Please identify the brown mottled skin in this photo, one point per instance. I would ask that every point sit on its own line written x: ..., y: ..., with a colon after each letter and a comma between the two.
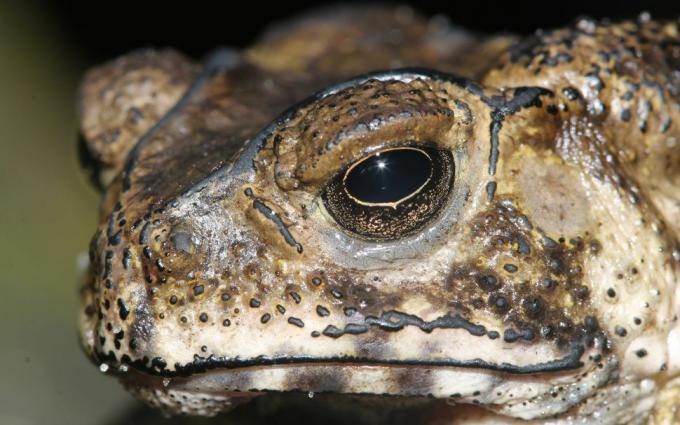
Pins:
x: 539, y: 287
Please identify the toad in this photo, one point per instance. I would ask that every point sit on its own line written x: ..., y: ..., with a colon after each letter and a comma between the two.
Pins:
x: 369, y: 204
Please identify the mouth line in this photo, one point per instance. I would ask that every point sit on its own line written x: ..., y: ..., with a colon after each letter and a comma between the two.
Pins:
x: 571, y: 361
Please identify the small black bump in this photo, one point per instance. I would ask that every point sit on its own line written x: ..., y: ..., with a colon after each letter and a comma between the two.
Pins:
x: 581, y: 292
x: 255, y: 303
x: 625, y: 115
x: 203, y: 317
x: 123, y: 310
x: 296, y: 322
x: 547, y: 331
x: 322, y: 311
x: 533, y: 307
x: 296, y: 297
x: 198, y: 289
x: 265, y: 318
x: 487, y: 282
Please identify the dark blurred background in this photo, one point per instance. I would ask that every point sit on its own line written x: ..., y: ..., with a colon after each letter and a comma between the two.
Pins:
x: 47, y: 207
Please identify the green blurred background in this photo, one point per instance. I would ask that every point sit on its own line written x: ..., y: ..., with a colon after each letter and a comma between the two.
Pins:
x: 47, y: 214
x: 48, y: 208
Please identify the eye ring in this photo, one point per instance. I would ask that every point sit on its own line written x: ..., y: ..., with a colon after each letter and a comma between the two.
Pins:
x: 375, y: 155
x: 391, y: 193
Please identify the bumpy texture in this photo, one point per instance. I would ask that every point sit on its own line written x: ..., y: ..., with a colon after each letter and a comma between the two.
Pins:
x: 543, y: 291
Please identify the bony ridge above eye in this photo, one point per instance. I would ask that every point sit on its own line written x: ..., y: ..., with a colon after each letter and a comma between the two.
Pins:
x: 390, y: 193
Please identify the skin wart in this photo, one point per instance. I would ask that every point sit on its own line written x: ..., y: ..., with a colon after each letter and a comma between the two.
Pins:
x: 533, y: 279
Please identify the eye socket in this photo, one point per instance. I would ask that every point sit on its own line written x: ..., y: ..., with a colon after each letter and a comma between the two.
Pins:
x: 390, y: 193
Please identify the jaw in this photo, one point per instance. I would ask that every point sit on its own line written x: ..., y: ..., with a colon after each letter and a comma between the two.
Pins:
x: 525, y: 396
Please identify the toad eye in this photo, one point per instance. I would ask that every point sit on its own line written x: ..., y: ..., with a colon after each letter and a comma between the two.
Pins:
x: 390, y: 193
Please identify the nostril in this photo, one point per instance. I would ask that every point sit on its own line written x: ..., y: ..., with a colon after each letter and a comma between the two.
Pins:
x: 184, y: 241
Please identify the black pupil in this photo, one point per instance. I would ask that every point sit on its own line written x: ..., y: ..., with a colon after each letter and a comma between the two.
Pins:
x: 388, y: 176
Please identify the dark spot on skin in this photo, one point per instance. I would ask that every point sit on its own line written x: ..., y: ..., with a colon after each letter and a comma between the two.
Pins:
x: 173, y: 299
x: 198, y: 289
x: 637, y: 321
x: 144, y: 234
x: 555, y: 264
x: 548, y: 283
x: 316, y: 281
x: 591, y: 324
x: 203, y: 317
x: 533, y: 307
x: 611, y: 293
x: 322, y: 311
x: 296, y: 322
x: 487, y: 282
x: 625, y: 115
x: 281, y: 309
x: 315, y: 334
x: 276, y: 219
x: 107, y: 264
x: 523, y: 247
x: 512, y: 335
x: 123, y: 310
x: 225, y: 297
x: 336, y: 293
x: 547, y: 331
x: 510, y: 268
x: 621, y: 331
x: 549, y: 243
x: 351, y: 329
x: 499, y: 301
x: 641, y: 353
x: 296, y: 297
x: 571, y: 93
x: 581, y: 292
x: 349, y: 311
x: 265, y: 318
x: 127, y: 257
x: 159, y: 363
x: 115, y: 238
x: 490, y: 191
x: 255, y: 303
x: 226, y: 322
